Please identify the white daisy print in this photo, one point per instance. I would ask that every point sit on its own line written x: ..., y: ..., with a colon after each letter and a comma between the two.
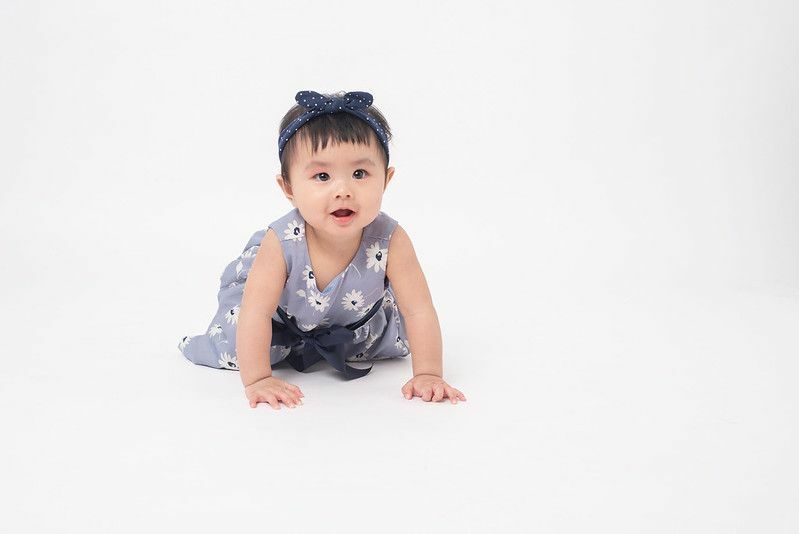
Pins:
x: 325, y: 322
x: 215, y: 330
x: 376, y: 257
x: 284, y: 351
x: 308, y: 276
x: 399, y: 344
x: 228, y: 362
x: 239, y: 267
x: 360, y: 333
x: 319, y: 301
x: 295, y: 231
x: 184, y: 342
x: 352, y: 300
x: 250, y: 251
x: 370, y: 340
x: 308, y: 327
x: 232, y: 315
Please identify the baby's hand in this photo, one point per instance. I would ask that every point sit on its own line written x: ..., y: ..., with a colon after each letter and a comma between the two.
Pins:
x: 273, y: 391
x: 431, y: 387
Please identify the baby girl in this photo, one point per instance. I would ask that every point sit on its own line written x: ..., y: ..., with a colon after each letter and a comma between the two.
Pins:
x: 319, y: 283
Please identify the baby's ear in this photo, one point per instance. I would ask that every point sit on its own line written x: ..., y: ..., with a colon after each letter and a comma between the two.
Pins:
x: 285, y: 186
x: 389, y: 175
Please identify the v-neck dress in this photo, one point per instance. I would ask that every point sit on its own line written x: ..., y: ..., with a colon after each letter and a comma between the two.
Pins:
x: 347, y: 298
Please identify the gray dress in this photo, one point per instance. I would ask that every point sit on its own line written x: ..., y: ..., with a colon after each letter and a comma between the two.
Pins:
x: 349, y: 297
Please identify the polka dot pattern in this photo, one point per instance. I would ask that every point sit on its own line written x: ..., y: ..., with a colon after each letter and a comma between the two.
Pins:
x: 316, y: 104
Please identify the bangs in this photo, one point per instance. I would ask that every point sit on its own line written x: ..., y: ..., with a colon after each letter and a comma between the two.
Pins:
x: 337, y: 128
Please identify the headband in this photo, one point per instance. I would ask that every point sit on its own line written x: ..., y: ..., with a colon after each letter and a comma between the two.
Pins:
x: 316, y: 104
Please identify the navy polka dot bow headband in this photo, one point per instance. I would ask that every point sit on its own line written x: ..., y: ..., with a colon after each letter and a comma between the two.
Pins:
x: 316, y: 104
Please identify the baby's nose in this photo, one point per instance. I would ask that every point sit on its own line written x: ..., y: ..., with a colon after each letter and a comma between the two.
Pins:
x: 343, y: 192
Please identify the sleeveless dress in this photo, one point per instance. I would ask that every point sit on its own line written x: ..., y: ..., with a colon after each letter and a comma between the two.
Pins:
x: 360, y: 297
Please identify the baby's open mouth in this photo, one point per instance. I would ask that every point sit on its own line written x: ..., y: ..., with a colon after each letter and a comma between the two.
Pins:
x: 342, y: 213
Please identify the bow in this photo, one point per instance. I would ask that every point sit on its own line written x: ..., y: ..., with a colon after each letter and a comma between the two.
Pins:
x: 318, y: 103
x: 321, y: 342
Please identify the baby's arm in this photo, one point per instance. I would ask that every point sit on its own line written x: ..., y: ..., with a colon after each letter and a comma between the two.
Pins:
x: 415, y: 304
x: 421, y: 321
x: 261, y: 297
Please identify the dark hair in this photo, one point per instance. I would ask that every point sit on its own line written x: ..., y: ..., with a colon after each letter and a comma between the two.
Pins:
x: 337, y: 127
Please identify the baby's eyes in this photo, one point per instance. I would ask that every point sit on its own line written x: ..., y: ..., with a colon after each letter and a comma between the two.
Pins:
x: 354, y: 174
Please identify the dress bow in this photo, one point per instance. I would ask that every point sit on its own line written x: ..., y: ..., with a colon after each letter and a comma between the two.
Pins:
x: 329, y: 342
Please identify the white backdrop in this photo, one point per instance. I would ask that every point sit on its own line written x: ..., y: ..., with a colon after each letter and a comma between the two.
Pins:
x: 603, y: 196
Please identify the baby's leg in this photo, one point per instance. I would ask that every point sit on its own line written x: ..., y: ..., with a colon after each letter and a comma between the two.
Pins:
x: 217, y: 346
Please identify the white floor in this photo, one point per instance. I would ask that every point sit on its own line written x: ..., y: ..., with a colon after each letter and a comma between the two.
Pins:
x: 626, y: 410
x: 553, y: 148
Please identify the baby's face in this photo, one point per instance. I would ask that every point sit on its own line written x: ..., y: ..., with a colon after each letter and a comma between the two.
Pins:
x: 338, y: 176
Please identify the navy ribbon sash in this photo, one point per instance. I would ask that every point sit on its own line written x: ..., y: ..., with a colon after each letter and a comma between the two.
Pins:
x: 329, y: 343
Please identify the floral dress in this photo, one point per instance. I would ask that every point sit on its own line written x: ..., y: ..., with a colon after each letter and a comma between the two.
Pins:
x: 349, y: 297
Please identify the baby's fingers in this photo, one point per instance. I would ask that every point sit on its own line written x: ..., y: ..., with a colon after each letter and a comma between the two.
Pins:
x: 438, y: 392
x: 268, y: 399
x: 295, y: 397
x: 256, y: 398
x: 273, y: 402
x: 452, y: 394
x: 407, y: 390
x: 287, y: 398
x: 427, y: 393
